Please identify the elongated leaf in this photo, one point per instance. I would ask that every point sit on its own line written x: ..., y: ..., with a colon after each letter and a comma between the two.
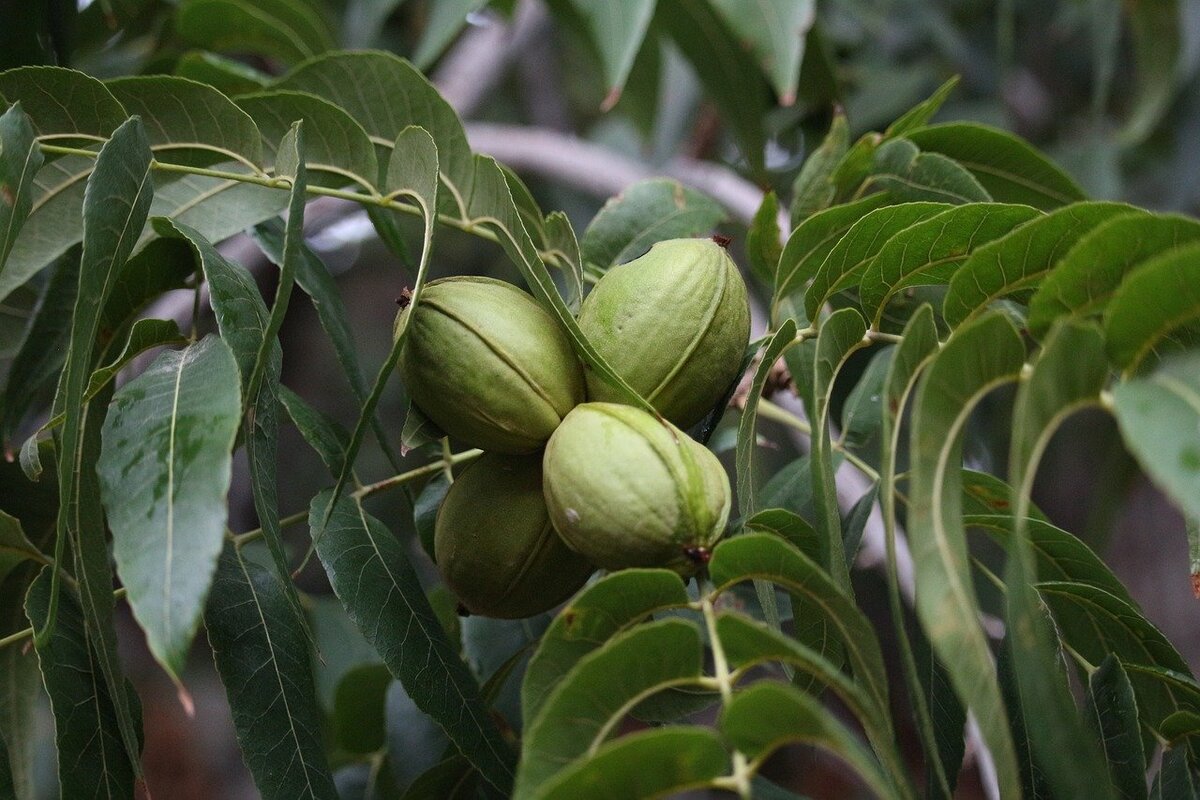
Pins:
x: 562, y: 245
x: 765, y: 557
x: 323, y: 434
x: 1008, y: 168
x: 1114, y: 716
x: 289, y: 30
x: 769, y: 715
x: 918, y: 344
x: 919, y: 115
x: 931, y: 251
x: 811, y: 242
x: 646, y: 212
x: 92, y: 113
x: 595, y: 615
x: 1020, y: 259
x: 901, y: 169
x: 91, y: 756
x: 336, y: 149
x: 775, y: 31
x: 446, y: 19
x: 1068, y: 375
x: 979, y: 357
x: 1090, y: 272
x: 20, y: 160
x: 763, y: 246
x: 261, y: 651
x: 814, y: 366
x: 582, y: 711
x: 645, y: 764
x: 1159, y: 417
x: 164, y: 472
x: 115, y: 207
x: 1150, y: 306
x: 378, y: 587
x: 813, y: 190
x: 850, y: 257
x: 1176, y: 780
x: 188, y: 122
x: 20, y: 685
x: 746, y: 443
x: 15, y: 546
x: 617, y: 30
x: 226, y: 75
x: 729, y: 74
x: 217, y: 208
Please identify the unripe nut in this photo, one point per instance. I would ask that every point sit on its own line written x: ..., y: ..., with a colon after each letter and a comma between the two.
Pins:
x: 626, y: 489
x: 494, y: 544
x: 488, y: 365
x: 674, y: 324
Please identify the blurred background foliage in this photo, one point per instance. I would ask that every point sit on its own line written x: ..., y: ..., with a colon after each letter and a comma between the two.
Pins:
x: 583, y: 97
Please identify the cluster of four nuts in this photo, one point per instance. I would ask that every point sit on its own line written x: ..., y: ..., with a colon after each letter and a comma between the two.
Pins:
x: 567, y: 485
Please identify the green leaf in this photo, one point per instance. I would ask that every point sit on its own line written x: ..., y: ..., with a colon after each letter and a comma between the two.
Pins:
x: 217, y: 208
x: 188, y: 122
x: 15, y: 546
x: 378, y: 587
x: 115, y: 207
x: 919, y: 115
x: 900, y: 168
x: 815, y: 366
x: 617, y: 30
x: 1114, y: 716
x: 386, y: 94
x: 930, y: 252
x: 328, y: 438
x: 1090, y: 272
x: 1007, y: 167
x: 91, y: 115
x: 288, y: 30
x: 765, y: 557
x: 1018, y: 260
x: 812, y: 241
x: 165, y: 470
x: 746, y: 442
x: 261, y: 651
x: 645, y: 213
x: 918, y: 344
x: 91, y: 755
x: 730, y: 77
x: 775, y: 30
x: 649, y: 763
x: 562, y: 245
x: 592, y: 617
x: 790, y: 527
x: 1157, y: 35
x: 862, y: 412
x: 358, y: 716
x: 769, y: 715
x: 20, y: 160
x: 335, y: 145
x: 1068, y: 376
x: 445, y: 20
x: 20, y: 688
x: 1152, y: 304
x: 1159, y: 417
x: 451, y: 779
x: 763, y: 247
x: 813, y: 190
x: 850, y: 258
x: 226, y: 75
x: 583, y: 710
x: 243, y: 319
x: 1176, y: 780
x: 980, y: 356
x: 1094, y: 624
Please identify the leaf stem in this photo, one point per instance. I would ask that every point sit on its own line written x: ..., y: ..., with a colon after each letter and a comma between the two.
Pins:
x: 242, y: 539
x: 22, y: 635
x: 739, y: 781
